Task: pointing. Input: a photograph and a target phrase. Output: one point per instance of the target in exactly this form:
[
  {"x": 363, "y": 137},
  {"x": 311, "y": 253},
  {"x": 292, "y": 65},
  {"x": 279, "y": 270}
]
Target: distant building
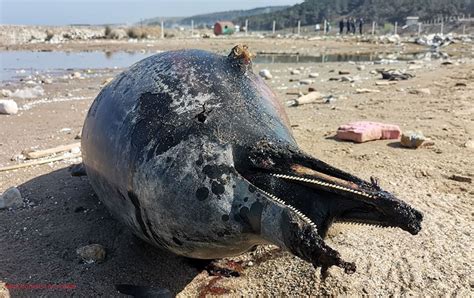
[
  {"x": 223, "y": 27},
  {"x": 412, "y": 21}
]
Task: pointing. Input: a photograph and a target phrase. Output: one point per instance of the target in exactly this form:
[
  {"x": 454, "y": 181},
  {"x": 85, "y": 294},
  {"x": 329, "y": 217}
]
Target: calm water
[{"x": 16, "y": 64}]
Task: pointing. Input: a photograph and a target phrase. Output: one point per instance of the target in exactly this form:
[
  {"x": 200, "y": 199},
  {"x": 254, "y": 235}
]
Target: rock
[
  {"x": 460, "y": 84},
  {"x": 76, "y": 75},
  {"x": 412, "y": 139},
  {"x": 28, "y": 92},
  {"x": 47, "y": 81},
  {"x": 314, "y": 75},
  {"x": 460, "y": 178},
  {"x": 360, "y": 67},
  {"x": 30, "y": 83},
  {"x": 265, "y": 73},
  {"x": 420, "y": 91},
  {"x": 92, "y": 253},
  {"x": 8, "y": 107},
  {"x": 11, "y": 198},
  {"x": 306, "y": 82},
  {"x": 469, "y": 144},
  {"x": 295, "y": 72},
  {"x": 365, "y": 90},
  {"x": 347, "y": 79},
  {"x": 329, "y": 99},
  {"x": 363, "y": 131},
  {"x": 344, "y": 72},
  {"x": 6, "y": 93},
  {"x": 66, "y": 130},
  {"x": 447, "y": 62},
  {"x": 395, "y": 75}
]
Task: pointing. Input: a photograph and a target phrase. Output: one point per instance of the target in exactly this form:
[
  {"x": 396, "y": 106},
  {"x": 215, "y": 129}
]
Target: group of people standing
[{"x": 350, "y": 24}]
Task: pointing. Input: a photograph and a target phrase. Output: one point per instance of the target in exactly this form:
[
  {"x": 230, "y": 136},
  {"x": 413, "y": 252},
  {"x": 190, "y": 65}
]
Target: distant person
[
  {"x": 361, "y": 24},
  {"x": 348, "y": 26},
  {"x": 341, "y": 26},
  {"x": 353, "y": 25},
  {"x": 328, "y": 27}
]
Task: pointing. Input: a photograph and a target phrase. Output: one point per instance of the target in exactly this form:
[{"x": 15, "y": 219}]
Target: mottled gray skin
[
  {"x": 184, "y": 146},
  {"x": 168, "y": 174}
]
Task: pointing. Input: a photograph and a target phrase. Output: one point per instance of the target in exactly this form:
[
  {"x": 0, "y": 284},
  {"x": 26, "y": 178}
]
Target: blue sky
[{"x": 61, "y": 12}]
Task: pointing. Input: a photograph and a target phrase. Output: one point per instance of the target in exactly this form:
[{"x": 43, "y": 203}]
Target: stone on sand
[
  {"x": 266, "y": 74},
  {"x": 92, "y": 253},
  {"x": 363, "y": 131},
  {"x": 8, "y": 107},
  {"x": 11, "y": 198}
]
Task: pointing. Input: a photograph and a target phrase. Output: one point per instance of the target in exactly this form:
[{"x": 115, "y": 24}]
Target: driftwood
[
  {"x": 38, "y": 162},
  {"x": 46, "y": 152}
]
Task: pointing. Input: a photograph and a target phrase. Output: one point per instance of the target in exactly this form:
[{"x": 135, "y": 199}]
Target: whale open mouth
[{"x": 315, "y": 195}]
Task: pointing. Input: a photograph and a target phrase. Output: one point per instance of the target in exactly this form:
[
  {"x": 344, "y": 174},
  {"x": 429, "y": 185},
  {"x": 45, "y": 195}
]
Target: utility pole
[
  {"x": 396, "y": 27},
  {"x": 246, "y": 26},
  {"x": 162, "y": 29},
  {"x": 192, "y": 28},
  {"x": 274, "y": 25},
  {"x": 299, "y": 28},
  {"x": 442, "y": 26},
  {"x": 419, "y": 29},
  {"x": 325, "y": 24},
  {"x": 373, "y": 27}
]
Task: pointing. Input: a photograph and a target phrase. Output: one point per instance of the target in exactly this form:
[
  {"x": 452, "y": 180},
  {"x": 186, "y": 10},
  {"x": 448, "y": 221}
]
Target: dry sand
[{"x": 38, "y": 241}]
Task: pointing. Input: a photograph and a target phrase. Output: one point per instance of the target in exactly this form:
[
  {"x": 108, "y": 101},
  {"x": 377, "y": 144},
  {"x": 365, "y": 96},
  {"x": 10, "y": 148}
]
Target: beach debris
[
  {"x": 11, "y": 198},
  {"x": 425, "y": 91},
  {"x": 6, "y": 92},
  {"x": 34, "y": 154},
  {"x": 434, "y": 40},
  {"x": 28, "y": 92},
  {"x": 385, "y": 83},
  {"x": 266, "y": 74},
  {"x": 295, "y": 72},
  {"x": 460, "y": 178},
  {"x": 92, "y": 253},
  {"x": 75, "y": 75},
  {"x": 414, "y": 139},
  {"x": 363, "y": 131},
  {"x": 39, "y": 162},
  {"x": 313, "y": 75},
  {"x": 306, "y": 82},
  {"x": 395, "y": 75},
  {"x": 8, "y": 107},
  {"x": 311, "y": 97},
  {"x": 365, "y": 90}
]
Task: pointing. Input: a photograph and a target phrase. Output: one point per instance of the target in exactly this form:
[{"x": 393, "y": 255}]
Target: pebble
[
  {"x": 76, "y": 75},
  {"x": 6, "y": 93},
  {"x": 412, "y": 139},
  {"x": 11, "y": 198},
  {"x": 8, "y": 107},
  {"x": 314, "y": 75},
  {"x": 421, "y": 91},
  {"x": 469, "y": 144},
  {"x": 306, "y": 82},
  {"x": 92, "y": 253},
  {"x": 266, "y": 74},
  {"x": 295, "y": 72}
]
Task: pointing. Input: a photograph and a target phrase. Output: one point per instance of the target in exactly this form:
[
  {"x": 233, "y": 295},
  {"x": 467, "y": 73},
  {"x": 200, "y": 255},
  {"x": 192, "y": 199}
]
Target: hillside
[
  {"x": 315, "y": 11},
  {"x": 211, "y": 18}
]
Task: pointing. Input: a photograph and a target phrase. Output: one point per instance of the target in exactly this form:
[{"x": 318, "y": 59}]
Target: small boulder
[
  {"x": 11, "y": 198},
  {"x": 8, "y": 107},
  {"x": 6, "y": 93},
  {"x": 92, "y": 253},
  {"x": 314, "y": 75},
  {"x": 266, "y": 74},
  {"x": 360, "y": 67},
  {"x": 412, "y": 139},
  {"x": 295, "y": 72}
]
